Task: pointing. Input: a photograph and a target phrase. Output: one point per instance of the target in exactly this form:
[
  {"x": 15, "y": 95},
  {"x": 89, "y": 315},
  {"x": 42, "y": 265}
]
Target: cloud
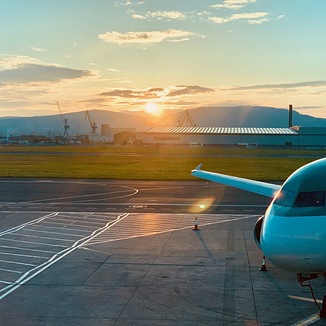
[
  {"x": 251, "y": 15},
  {"x": 181, "y": 103},
  {"x": 40, "y": 73},
  {"x": 251, "y": 18},
  {"x": 319, "y": 83},
  {"x": 233, "y": 4},
  {"x": 112, "y": 69},
  {"x": 131, "y": 94},
  {"x": 157, "y": 92},
  {"x": 203, "y": 13},
  {"x": 279, "y": 17},
  {"x": 145, "y": 37},
  {"x": 310, "y": 107},
  {"x": 170, "y": 15},
  {"x": 11, "y": 62},
  {"x": 21, "y": 70},
  {"x": 258, "y": 21},
  {"x": 129, "y": 3},
  {"x": 188, "y": 90},
  {"x": 37, "y": 49},
  {"x": 137, "y": 16}
]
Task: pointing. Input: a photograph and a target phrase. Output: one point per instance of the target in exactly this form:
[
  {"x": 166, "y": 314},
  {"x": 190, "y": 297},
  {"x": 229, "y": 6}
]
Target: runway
[
  {"x": 131, "y": 196},
  {"x": 81, "y": 252}
]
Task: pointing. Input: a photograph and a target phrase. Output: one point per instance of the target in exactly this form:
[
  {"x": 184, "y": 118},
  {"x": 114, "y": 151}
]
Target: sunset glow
[
  {"x": 119, "y": 55},
  {"x": 153, "y": 108}
]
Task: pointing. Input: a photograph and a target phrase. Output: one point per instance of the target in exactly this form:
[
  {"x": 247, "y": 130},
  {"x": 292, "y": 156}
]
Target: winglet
[{"x": 198, "y": 168}]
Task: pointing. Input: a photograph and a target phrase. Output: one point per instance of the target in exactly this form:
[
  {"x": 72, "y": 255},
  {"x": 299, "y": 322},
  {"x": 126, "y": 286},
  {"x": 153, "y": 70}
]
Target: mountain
[
  {"x": 252, "y": 116},
  {"x": 240, "y": 116},
  {"x": 42, "y": 125}
]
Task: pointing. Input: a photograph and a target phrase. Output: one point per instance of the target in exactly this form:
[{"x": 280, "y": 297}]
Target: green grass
[
  {"x": 148, "y": 163},
  {"x": 98, "y": 149}
]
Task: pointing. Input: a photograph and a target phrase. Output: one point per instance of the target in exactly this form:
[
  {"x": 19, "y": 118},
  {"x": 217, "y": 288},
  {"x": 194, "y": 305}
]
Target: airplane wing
[{"x": 258, "y": 187}]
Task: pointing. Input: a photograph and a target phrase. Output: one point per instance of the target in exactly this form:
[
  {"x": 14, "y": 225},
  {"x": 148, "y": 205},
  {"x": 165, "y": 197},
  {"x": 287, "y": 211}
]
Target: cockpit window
[
  {"x": 286, "y": 198},
  {"x": 310, "y": 198}
]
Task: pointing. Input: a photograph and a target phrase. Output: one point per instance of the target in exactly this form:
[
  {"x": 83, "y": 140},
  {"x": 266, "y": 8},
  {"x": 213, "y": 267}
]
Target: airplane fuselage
[
  {"x": 293, "y": 232},
  {"x": 297, "y": 243}
]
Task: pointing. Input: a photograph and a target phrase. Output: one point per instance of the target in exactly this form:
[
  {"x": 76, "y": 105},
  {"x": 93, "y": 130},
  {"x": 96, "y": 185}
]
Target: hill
[
  {"x": 241, "y": 116},
  {"x": 252, "y": 116},
  {"x": 42, "y": 125}
]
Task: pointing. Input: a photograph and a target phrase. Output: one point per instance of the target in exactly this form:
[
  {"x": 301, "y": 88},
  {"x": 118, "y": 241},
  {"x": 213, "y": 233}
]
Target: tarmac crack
[
  {"x": 141, "y": 280},
  {"x": 229, "y": 292},
  {"x": 135, "y": 290},
  {"x": 250, "y": 274}
]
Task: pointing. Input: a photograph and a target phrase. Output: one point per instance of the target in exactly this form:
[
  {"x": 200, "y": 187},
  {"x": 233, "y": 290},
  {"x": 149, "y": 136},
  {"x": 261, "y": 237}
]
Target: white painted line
[
  {"x": 27, "y": 249},
  {"x": 49, "y": 232},
  {"x": 127, "y": 227},
  {"x": 81, "y": 221},
  {"x": 34, "y": 236},
  {"x": 17, "y": 228},
  {"x": 60, "y": 224},
  {"x": 130, "y": 204},
  {"x": 307, "y": 321},
  {"x": 61, "y": 228},
  {"x": 87, "y": 215},
  {"x": 135, "y": 191},
  {"x": 10, "y": 271},
  {"x": 40, "y": 268},
  {"x": 161, "y": 188},
  {"x": 21, "y": 255},
  {"x": 304, "y": 299},
  {"x": 31, "y": 242},
  {"x": 17, "y": 263},
  {"x": 5, "y": 282},
  {"x": 125, "y": 236}
]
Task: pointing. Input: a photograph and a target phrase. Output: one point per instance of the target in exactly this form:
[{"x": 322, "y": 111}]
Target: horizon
[
  {"x": 152, "y": 56},
  {"x": 162, "y": 113}
]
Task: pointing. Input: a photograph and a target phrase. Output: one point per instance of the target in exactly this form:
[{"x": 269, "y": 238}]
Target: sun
[{"x": 153, "y": 109}]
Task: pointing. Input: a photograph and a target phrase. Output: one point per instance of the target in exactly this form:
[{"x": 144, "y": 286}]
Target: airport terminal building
[{"x": 299, "y": 137}]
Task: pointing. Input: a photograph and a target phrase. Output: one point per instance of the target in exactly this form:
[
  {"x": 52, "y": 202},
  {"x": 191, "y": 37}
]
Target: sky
[{"x": 152, "y": 55}]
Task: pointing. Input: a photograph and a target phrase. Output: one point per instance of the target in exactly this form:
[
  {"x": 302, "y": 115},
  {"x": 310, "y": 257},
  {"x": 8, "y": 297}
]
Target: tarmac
[{"x": 157, "y": 277}]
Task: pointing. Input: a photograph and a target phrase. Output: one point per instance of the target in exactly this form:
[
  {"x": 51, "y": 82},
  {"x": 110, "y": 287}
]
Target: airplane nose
[{"x": 290, "y": 242}]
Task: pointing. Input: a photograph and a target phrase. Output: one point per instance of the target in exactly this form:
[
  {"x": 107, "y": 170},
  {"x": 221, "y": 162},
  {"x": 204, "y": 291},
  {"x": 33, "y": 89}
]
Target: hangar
[{"x": 300, "y": 137}]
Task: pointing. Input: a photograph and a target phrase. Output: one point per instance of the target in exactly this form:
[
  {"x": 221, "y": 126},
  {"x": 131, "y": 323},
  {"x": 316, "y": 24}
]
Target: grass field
[{"x": 100, "y": 162}]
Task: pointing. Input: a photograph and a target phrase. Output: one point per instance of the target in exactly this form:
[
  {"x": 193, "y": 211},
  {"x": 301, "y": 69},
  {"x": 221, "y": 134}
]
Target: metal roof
[{"x": 221, "y": 131}]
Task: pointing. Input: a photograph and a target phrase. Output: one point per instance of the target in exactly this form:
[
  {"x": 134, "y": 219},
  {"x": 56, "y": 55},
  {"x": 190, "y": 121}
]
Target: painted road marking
[
  {"x": 308, "y": 321},
  {"x": 140, "y": 225},
  {"x": 21, "y": 256},
  {"x": 12, "y": 283},
  {"x": 38, "y": 269},
  {"x": 114, "y": 227}
]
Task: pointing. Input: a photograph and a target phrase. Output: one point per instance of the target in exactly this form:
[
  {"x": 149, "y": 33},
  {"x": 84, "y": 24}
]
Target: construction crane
[
  {"x": 65, "y": 123},
  {"x": 186, "y": 117},
  {"x": 91, "y": 121}
]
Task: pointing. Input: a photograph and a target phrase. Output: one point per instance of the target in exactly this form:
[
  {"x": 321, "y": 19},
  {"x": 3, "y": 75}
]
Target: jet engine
[{"x": 257, "y": 230}]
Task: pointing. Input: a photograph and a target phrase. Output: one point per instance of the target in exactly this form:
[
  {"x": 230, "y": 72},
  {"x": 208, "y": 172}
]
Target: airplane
[{"x": 292, "y": 232}]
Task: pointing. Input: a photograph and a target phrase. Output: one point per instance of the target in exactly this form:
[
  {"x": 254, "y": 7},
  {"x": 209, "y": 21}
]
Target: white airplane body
[{"x": 292, "y": 233}]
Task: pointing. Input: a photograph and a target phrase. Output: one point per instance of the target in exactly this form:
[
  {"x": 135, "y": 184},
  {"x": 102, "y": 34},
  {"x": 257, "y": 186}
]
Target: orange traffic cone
[
  {"x": 263, "y": 265},
  {"x": 196, "y": 228}
]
